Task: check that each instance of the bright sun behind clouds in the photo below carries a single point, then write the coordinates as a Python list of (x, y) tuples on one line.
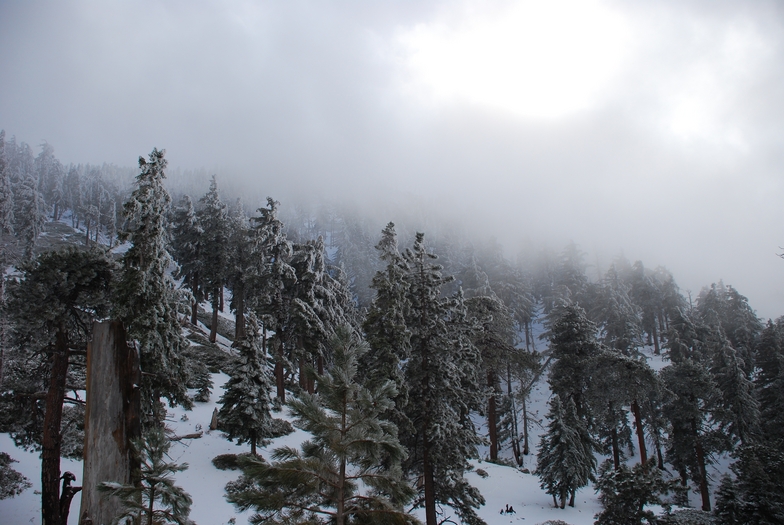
[(536, 59)]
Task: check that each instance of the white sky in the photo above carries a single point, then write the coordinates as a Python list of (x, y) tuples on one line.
[(652, 128)]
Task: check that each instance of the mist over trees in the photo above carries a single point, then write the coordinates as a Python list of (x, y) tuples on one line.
[(450, 333)]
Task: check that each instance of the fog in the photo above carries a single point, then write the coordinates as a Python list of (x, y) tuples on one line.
[(652, 129)]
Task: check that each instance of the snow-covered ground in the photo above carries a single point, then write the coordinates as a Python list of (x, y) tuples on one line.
[(503, 485)]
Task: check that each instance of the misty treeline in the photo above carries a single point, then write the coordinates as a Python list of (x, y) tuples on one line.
[(389, 347)]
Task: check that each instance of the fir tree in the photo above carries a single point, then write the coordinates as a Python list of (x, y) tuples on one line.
[(155, 499), (186, 248), (442, 374), (565, 461), (146, 296), (349, 472), (625, 492), (754, 497), (214, 250), (245, 404), (385, 328)]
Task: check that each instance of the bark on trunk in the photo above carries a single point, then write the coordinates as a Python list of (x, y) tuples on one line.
[(526, 448), (616, 453), (656, 347), (491, 417), (112, 419), (239, 313), (430, 487), (51, 439), (640, 432), (214, 323), (195, 304), (279, 380), (704, 490)]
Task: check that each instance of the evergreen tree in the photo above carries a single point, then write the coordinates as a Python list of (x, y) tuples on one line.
[(625, 492), (12, 483), (29, 213), (385, 328), (349, 472), (6, 192), (769, 381), (186, 249), (53, 308), (565, 462), (214, 252), (754, 497), (245, 404), (737, 410), (442, 374), (146, 297), (272, 277), (155, 499)]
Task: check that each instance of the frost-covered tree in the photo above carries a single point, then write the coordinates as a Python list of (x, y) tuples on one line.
[(349, 471), (565, 461), (754, 496), (245, 404), (146, 299), (385, 327), (214, 250), (154, 499), (6, 192), (29, 213), (271, 280), (444, 388), (625, 492), (12, 483), (769, 381), (186, 249), (737, 409), (53, 307)]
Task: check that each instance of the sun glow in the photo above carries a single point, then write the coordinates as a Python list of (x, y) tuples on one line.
[(536, 59)]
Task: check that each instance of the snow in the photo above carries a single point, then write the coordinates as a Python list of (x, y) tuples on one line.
[(504, 485)]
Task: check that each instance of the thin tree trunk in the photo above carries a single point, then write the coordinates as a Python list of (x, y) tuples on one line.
[(239, 313), (704, 490), (195, 304), (253, 442), (214, 323), (51, 439), (656, 347), (222, 305), (491, 417), (527, 338), (615, 451), (640, 432), (430, 487), (571, 498), (526, 447), (279, 379)]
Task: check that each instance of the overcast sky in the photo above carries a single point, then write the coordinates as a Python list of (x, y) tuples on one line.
[(649, 128)]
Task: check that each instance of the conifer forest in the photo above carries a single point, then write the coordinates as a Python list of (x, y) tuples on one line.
[(360, 372)]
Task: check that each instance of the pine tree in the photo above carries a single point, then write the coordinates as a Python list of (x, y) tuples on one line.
[(6, 192), (154, 499), (186, 249), (53, 308), (146, 299), (245, 404), (738, 411), (442, 374), (29, 213), (625, 492), (565, 461), (754, 497), (12, 483), (385, 328), (214, 252), (349, 472), (272, 277), (769, 381)]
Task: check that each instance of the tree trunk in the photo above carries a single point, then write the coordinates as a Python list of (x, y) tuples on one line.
[(239, 313), (656, 347), (492, 428), (214, 323), (112, 419), (279, 380), (527, 338), (571, 498), (253, 442), (430, 487), (640, 431), (526, 447), (51, 439), (700, 452), (195, 304), (222, 305), (616, 453)]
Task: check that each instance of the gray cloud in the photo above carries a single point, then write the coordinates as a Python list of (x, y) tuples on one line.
[(307, 97)]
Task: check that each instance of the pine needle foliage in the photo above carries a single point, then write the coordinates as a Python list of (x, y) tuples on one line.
[(155, 499), (349, 472)]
